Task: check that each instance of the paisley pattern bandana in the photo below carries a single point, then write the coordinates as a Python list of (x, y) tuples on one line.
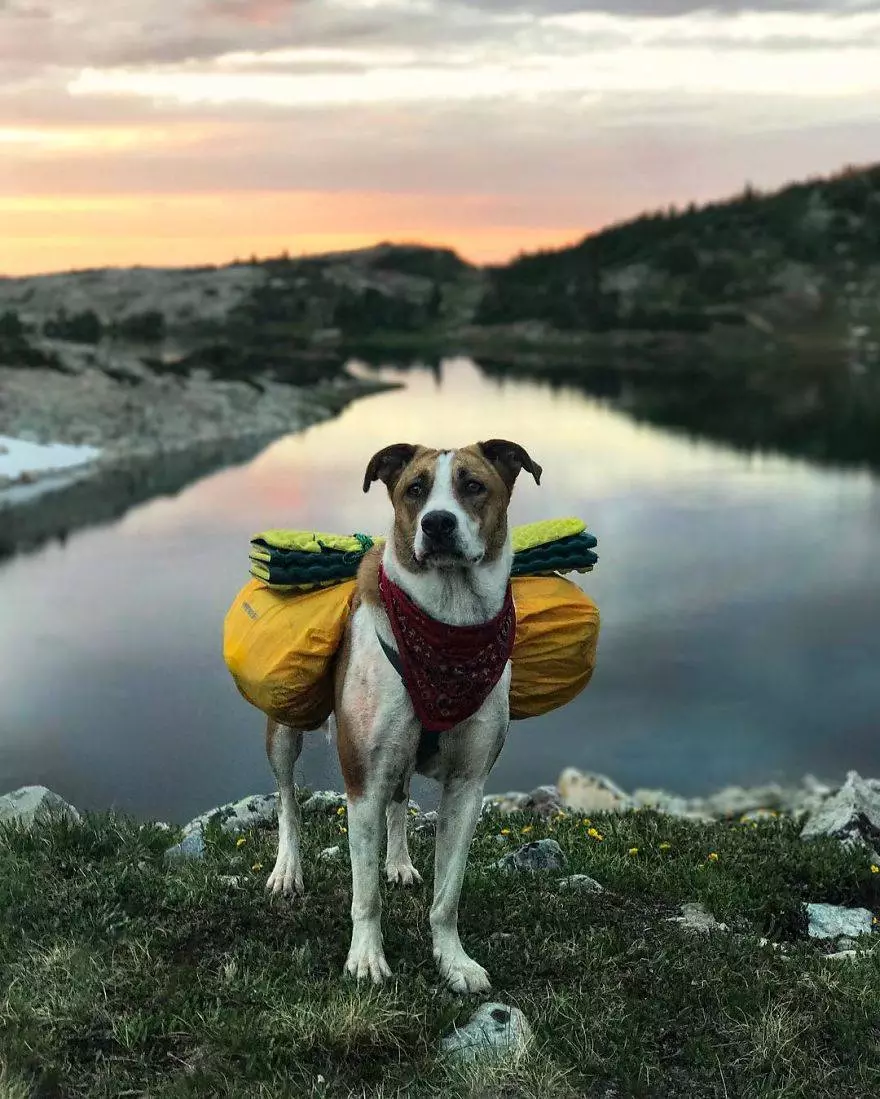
[(449, 671)]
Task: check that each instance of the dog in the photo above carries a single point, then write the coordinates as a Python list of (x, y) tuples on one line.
[(421, 684)]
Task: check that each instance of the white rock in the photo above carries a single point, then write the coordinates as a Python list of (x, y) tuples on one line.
[(583, 883), (589, 793), (324, 801), (852, 814), (695, 917), (830, 921), (28, 804), (256, 811), (538, 855), (494, 1031), (330, 853)]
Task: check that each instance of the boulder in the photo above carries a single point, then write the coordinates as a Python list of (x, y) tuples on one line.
[(330, 854), (511, 802), (493, 1031), (852, 814), (256, 811), (589, 793), (538, 855), (29, 804), (543, 800)]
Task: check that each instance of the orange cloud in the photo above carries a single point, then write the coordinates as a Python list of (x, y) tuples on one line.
[(43, 233)]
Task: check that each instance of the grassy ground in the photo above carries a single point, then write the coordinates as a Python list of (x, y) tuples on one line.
[(121, 975)]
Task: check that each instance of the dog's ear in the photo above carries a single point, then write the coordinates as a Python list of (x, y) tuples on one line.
[(388, 464), (509, 458)]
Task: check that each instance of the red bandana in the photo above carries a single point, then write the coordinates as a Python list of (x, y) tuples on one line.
[(449, 671)]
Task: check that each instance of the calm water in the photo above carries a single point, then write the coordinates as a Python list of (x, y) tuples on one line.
[(740, 600)]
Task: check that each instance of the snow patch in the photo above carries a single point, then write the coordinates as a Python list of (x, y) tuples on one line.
[(18, 457)]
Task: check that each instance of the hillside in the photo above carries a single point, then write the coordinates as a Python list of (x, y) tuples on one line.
[(805, 256)]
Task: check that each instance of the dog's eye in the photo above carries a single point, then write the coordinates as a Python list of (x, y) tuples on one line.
[(473, 488), (415, 490)]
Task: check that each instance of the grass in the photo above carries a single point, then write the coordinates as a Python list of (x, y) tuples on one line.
[(121, 975)]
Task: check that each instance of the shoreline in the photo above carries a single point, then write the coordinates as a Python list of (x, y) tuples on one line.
[(150, 440)]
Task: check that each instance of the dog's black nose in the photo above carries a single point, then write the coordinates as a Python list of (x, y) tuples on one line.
[(439, 525)]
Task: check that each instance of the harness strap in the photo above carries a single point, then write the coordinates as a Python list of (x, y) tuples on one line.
[(429, 741)]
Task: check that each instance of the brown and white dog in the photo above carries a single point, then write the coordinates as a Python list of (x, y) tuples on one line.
[(449, 554)]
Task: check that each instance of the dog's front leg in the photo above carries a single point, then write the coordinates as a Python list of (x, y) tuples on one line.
[(459, 812)]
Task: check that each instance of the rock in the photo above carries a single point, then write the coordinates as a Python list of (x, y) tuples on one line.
[(695, 917), (29, 804), (256, 811), (662, 801), (852, 814), (734, 801), (588, 793), (583, 883), (324, 801), (511, 802), (543, 800), (232, 881), (330, 853), (494, 1030), (424, 823), (538, 855), (830, 921), (192, 846)]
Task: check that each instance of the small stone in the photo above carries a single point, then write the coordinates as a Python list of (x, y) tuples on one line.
[(29, 804), (734, 801), (494, 1031), (538, 855), (232, 881), (424, 823), (830, 921), (695, 917), (330, 853), (589, 793), (192, 846), (583, 883)]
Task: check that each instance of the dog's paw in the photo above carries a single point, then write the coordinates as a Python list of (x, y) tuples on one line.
[(462, 973), (287, 876), (367, 959), (402, 873)]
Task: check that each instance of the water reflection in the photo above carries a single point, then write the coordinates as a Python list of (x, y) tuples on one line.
[(739, 595)]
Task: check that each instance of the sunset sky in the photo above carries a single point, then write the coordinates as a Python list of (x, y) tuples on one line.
[(188, 131)]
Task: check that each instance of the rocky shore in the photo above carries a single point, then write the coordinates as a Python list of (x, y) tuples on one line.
[(133, 433)]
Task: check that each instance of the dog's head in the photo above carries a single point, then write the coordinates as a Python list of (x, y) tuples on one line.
[(450, 506)]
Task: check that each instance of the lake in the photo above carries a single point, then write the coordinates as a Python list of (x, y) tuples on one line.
[(740, 600)]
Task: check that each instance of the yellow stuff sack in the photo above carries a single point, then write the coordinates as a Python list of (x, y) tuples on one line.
[(280, 647)]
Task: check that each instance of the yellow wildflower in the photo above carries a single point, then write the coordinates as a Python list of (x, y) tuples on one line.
[(257, 867), (875, 869), (595, 833), (241, 841), (633, 850), (713, 857), (340, 811), (586, 822), (665, 846), (342, 828), (505, 831), (527, 828)]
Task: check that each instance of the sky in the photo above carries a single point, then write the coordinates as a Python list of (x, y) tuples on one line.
[(197, 131)]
